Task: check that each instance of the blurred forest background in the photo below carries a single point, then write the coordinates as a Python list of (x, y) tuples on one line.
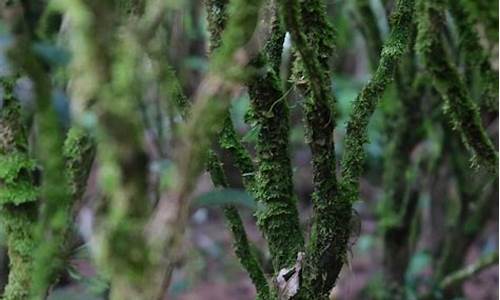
[(454, 204)]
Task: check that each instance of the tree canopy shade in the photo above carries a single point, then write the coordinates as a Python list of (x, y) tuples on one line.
[(122, 119)]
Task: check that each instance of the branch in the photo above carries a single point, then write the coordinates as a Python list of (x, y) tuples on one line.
[(458, 105), (278, 216), (368, 25), (312, 35), (367, 99), (273, 184), (18, 195), (241, 245), (462, 275), (475, 55), (228, 140), (212, 101), (54, 219)]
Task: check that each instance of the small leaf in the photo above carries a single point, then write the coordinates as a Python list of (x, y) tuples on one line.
[(226, 197)]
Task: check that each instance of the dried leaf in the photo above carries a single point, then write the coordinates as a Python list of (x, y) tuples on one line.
[(288, 279)]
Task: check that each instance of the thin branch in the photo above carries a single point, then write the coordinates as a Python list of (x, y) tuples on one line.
[(212, 101), (462, 275), (241, 245), (312, 35), (475, 55), (458, 104), (367, 99), (368, 25)]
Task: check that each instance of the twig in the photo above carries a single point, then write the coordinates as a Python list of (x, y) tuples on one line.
[(462, 275)]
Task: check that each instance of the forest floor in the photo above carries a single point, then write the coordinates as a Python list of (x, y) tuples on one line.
[(212, 272)]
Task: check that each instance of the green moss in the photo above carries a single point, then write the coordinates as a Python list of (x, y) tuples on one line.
[(330, 229), (16, 186), (241, 244), (11, 165), (239, 29), (79, 152), (485, 13), (17, 193), (367, 99), (277, 216), (17, 196), (458, 105), (19, 222), (131, 7), (216, 17), (273, 48), (229, 141), (477, 59)]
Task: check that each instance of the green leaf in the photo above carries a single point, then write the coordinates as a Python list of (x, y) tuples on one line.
[(226, 197), (418, 263)]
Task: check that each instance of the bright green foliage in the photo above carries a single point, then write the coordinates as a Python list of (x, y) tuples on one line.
[(13, 190)]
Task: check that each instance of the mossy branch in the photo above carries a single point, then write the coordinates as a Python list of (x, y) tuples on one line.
[(17, 195), (326, 248), (475, 55), (273, 187), (277, 216), (368, 25), (458, 104), (228, 140), (367, 99), (485, 13), (212, 102), (54, 219), (460, 276), (241, 245)]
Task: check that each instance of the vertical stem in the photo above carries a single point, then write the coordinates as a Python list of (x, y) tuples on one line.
[(278, 215)]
